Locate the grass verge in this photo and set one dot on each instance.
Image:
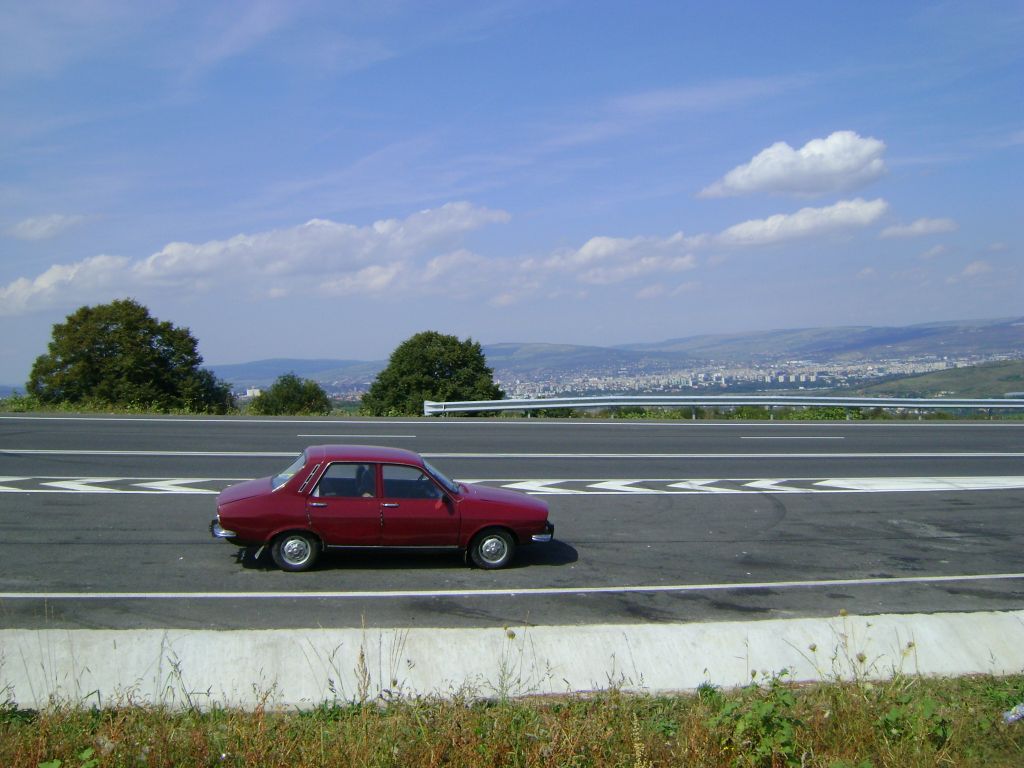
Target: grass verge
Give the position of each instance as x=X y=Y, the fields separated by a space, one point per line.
x=905 y=721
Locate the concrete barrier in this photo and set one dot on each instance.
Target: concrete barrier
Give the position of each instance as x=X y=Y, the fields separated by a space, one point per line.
x=304 y=668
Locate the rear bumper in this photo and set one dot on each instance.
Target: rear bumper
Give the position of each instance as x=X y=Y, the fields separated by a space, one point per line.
x=547 y=535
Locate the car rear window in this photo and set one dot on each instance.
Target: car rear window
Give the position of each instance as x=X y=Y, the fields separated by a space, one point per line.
x=280 y=479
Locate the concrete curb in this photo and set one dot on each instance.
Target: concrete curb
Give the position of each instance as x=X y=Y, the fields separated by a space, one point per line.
x=306 y=667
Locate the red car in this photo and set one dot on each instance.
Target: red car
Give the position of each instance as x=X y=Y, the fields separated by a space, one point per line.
x=362 y=496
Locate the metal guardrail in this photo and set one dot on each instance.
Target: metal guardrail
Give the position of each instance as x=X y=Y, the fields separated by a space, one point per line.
x=431 y=408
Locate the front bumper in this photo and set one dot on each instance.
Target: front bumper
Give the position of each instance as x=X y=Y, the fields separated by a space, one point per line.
x=547 y=535
x=220 y=533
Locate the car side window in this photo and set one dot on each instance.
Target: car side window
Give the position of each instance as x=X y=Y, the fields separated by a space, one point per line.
x=347 y=481
x=401 y=482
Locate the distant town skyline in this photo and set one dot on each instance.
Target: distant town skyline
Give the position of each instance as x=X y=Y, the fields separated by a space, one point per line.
x=323 y=180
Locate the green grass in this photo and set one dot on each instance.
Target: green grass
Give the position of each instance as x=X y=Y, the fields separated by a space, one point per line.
x=978 y=381
x=905 y=722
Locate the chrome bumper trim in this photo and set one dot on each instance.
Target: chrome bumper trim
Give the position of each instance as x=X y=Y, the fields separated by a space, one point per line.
x=220 y=533
x=548 y=535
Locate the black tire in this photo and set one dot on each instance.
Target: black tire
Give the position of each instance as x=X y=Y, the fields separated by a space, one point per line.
x=492 y=549
x=295 y=551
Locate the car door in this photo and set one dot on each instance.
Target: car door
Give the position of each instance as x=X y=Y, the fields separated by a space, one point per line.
x=344 y=507
x=416 y=512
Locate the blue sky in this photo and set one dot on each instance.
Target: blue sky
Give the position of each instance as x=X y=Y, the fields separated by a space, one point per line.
x=305 y=179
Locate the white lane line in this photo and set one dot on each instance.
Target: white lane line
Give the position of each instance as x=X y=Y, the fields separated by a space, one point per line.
x=433 y=594
x=292 y=454
x=948 y=455
x=790 y=437
x=373 y=435
x=99 y=452
x=527 y=422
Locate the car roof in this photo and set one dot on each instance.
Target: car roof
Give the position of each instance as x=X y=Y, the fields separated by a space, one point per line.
x=374 y=453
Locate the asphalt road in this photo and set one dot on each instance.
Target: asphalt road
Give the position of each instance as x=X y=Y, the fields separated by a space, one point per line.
x=103 y=523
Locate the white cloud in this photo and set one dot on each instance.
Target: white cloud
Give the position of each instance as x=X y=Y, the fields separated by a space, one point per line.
x=660 y=290
x=841 y=162
x=976 y=268
x=807 y=222
x=318 y=257
x=607 y=260
x=919 y=228
x=631 y=112
x=43 y=227
x=88 y=279
x=932 y=252
x=971 y=271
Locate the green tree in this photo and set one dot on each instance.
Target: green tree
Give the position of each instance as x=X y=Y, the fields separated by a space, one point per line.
x=430 y=366
x=290 y=395
x=119 y=355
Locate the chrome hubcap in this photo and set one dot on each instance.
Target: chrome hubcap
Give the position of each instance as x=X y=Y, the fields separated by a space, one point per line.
x=492 y=549
x=295 y=550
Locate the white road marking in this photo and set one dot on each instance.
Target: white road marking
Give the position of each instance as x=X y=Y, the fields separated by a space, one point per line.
x=82 y=485
x=948 y=455
x=790 y=437
x=373 y=435
x=699 y=486
x=622 y=456
x=173 y=486
x=102 y=452
x=626 y=487
x=537 y=487
x=894 y=484
x=433 y=594
x=560 y=487
x=10 y=480
x=771 y=486
x=530 y=423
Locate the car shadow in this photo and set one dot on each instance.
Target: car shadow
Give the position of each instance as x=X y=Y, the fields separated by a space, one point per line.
x=553 y=554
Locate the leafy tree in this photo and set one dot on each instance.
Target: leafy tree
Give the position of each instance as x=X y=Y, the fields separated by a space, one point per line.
x=119 y=355
x=290 y=395
x=430 y=366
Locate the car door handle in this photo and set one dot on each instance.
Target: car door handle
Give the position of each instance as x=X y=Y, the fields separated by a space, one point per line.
x=318 y=503
x=389 y=504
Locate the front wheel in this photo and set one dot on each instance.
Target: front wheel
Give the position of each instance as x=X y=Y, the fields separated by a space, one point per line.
x=492 y=549
x=296 y=551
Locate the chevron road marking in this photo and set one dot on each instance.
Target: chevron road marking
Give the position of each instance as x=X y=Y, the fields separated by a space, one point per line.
x=623 y=486
x=700 y=486
x=893 y=484
x=536 y=487
x=558 y=487
x=174 y=486
x=83 y=485
x=8 y=489
x=772 y=486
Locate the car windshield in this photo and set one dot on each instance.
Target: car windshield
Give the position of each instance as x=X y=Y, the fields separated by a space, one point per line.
x=280 y=479
x=443 y=479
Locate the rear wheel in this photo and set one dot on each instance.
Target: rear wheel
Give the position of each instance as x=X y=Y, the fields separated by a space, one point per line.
x=295 y=551
x=492 y=549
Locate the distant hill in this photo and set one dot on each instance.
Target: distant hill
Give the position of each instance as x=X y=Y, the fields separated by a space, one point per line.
x=527 y=359
x=964 y=339
x=337 y=375
x=987 y=380
x=850 y=343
